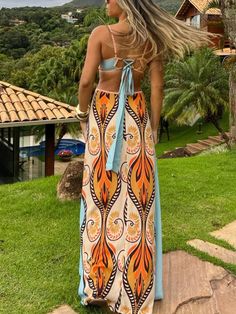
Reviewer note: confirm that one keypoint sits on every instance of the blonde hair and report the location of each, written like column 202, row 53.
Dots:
column 169, row 37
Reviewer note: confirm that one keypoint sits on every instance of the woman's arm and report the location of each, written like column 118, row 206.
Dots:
column 156, row 73
column 92, row 60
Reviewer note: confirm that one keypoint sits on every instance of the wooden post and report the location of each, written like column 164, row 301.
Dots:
column 232, row 104
column 49, row 149
column 16, row 151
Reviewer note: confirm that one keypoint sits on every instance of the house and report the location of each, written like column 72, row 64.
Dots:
column 20, row 110
column 193, row 13
column 17, row 22
column 69, row 18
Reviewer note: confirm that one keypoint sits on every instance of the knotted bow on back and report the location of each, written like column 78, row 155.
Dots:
column 126, row 89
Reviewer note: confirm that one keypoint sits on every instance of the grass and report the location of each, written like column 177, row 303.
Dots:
column 40, row 234
column 182, row 135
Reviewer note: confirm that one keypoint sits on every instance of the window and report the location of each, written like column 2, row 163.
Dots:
column 195, row 21
column 188, row 21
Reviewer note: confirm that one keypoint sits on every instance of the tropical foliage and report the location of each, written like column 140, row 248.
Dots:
column 169, row 5
column 228, row 10
column 48, row 54
column 196, row 85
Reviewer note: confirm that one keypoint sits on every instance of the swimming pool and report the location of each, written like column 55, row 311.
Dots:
column 76, row 146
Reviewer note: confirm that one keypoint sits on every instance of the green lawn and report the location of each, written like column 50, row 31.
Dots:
column 40, row 235
column 182, row 135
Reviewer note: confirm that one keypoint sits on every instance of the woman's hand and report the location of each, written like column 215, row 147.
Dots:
column 84, row 125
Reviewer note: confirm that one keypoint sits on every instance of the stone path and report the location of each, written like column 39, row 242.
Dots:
column 225, row 255
column 63, row 309
column 193, row 286
column 227, row 233
column 192, row 149
column 201, row 145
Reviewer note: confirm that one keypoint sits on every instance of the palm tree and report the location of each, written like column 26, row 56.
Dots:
column 230, row 64
column 196, row 85
column 72, row 128
column 61, row 129
column 228, row 10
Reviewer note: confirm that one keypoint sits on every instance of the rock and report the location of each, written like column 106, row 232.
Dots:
column 227, row 233
column 70, row 184
column 214, row 250
column 191, row 285
column 178, row 152
column 63, row 309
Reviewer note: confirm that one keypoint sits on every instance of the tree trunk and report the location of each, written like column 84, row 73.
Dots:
column 63, row 131
column 232, row 105
column 228, row 8
column 215, row 122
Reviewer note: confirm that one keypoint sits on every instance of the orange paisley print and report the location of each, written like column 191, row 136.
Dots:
column 117, row 228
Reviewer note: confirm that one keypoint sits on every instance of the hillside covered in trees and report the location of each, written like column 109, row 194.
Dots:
column 42, row 52
column 169, row 5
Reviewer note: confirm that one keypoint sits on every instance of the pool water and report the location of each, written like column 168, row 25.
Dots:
column 76, row 146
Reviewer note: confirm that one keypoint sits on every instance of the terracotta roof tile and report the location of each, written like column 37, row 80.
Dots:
column 22, row 115
column 4, row 117
column 22, row 97
column 2, row 108
column 200, row 5
column 9, row 106
column 34, row 104
column 20, row 105
column 3, row 114
column 64, row 112
column 5, row 98
column 13, row 116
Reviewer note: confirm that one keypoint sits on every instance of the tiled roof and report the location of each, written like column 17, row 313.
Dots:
column 225, row 52
column 200, row 5
column 22, row 107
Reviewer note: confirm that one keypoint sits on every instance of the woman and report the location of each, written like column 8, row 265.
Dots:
column 120, row 218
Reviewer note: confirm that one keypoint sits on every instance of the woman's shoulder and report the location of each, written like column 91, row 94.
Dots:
column 115, row 29
column 98, row 34
column 99, row 30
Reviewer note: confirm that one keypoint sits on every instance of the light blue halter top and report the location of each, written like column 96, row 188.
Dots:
column 126, row 89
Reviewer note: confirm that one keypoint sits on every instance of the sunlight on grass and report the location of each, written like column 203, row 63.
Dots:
column 182, row 135
column 40, row 234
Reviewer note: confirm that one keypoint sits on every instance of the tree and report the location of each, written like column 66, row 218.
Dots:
column 228, row 10
column 13, row 43
column 62, row 128
column 196, row 85
column 6, row 67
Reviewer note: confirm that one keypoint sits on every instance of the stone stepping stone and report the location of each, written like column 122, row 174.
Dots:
column 217, row 139
column 196, row 146
column 214, row 250
column 227, row 233
column 192, row 151
column 207, row 142
column 194, row 286
column 190, row 285
column 63, row 309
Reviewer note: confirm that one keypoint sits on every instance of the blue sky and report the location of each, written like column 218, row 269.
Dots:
column 21, row 3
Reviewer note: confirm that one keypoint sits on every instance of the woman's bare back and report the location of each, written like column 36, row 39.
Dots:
column 110, row 79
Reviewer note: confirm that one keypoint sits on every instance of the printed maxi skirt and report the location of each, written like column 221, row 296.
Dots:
column 120, row 215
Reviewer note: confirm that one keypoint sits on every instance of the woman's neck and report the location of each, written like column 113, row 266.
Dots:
column 123, row 18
